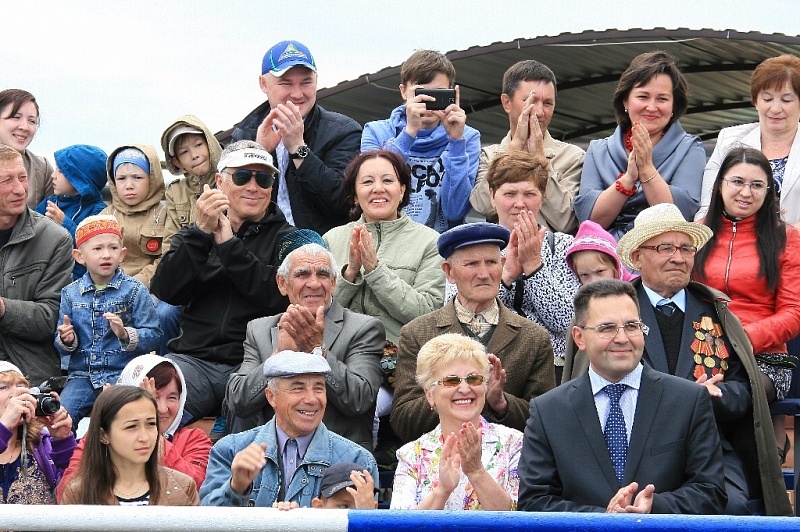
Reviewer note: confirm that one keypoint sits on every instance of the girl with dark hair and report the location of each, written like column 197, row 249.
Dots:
column 19, row 121
column 184, row 449
column 754, row 258
column 120, row 459
column 649, row 159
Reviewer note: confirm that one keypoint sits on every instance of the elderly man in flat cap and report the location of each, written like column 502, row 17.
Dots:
column 693, row 335
column 286, row 459
column 314, row 322
column 521, row 354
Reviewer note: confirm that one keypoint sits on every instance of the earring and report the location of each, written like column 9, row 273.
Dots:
column 626, row 109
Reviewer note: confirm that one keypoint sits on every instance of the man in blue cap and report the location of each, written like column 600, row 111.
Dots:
column 286, row 459
column 311, row 145
column 521, row 354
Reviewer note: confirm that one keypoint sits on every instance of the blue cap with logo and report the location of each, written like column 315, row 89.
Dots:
column 285, row 55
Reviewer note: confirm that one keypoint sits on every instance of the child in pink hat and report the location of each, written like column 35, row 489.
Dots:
column 593, row 255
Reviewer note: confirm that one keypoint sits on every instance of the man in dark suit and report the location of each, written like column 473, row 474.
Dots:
column 314, row 322
column 693, row 335
column 521, row 353
column 622, row 438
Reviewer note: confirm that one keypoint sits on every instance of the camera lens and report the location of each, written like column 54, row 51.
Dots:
column 46, row 405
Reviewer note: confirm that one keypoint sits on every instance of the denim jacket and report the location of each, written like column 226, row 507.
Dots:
column 98, row 354
column 326, row 448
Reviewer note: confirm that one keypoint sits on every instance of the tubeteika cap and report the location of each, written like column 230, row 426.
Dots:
column 96, row 225
column 290, row 363
column 470, row 235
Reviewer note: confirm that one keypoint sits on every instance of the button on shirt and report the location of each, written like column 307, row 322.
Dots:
column 627, row 402
column 290, row 461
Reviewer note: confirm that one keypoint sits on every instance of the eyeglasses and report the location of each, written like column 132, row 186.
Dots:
column 242, row 177
column 610, row 330
column 756, row 187
column 451, row 381
column 669, row 250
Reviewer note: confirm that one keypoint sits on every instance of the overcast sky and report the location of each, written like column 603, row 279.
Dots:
column 109, row 73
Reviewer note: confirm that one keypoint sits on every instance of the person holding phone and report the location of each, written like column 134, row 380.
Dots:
column 433, row 139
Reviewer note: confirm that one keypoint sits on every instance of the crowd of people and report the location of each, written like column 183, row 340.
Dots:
column 608, row 340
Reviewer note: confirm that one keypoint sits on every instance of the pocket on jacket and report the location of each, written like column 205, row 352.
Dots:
column 151, row 238
column 677, row 445
column 20, row 282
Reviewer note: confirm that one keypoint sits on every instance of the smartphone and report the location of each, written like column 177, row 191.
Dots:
column 444, row 97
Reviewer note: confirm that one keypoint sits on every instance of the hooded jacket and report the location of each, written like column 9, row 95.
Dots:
column 316, row 194
column 182, row 194
column 222, row 286
column 185, row 449
column 142, row 224
column 443, row 170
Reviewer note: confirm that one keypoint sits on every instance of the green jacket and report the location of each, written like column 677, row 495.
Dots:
column 409, row 280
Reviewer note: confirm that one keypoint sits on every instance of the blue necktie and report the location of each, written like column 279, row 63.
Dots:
column 666, row 307
column 615, row 433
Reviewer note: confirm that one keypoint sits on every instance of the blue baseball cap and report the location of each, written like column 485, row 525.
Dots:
column 285, row 55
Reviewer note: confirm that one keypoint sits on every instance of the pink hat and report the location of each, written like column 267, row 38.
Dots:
column 592, row 237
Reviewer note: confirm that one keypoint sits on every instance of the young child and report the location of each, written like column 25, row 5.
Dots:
column 346, row 486
column 107, row 317
column 137, row 191
column 593, row 255
column 190, row 149
column 441, row 149
column 78, row 178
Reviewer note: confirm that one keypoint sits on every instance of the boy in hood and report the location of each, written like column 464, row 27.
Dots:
column 441, row 149
column 79, row 176
column 189, row 149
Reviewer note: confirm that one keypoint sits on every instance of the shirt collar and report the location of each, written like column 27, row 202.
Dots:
column 679, row 299
column 302, row 441
column 632, row 379
column 490, row 314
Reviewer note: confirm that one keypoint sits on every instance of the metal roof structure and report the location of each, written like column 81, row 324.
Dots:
column 717, row 65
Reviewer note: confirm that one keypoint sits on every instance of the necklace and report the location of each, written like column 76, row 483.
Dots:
column 10, row 454
column 130, row 494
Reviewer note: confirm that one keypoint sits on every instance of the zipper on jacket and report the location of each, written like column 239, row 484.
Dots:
column 730, row 258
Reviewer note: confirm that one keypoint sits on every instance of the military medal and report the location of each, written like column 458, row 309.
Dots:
column 710, row 352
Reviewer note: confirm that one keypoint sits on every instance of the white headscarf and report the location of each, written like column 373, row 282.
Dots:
column 139, row 367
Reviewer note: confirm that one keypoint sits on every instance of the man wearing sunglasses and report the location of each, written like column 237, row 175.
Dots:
column 521, row 355
column 693, row 335
column 623, row 437
column 221, row 270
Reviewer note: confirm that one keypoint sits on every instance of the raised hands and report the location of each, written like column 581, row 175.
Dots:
column 246, row 465
column 300, row 329
column 453, row 118
column 284, row 122
column 528, row 135
column 115, row 322
column 211, row 206
column 362, row 253
column 54, row 213
column 494, row 390
column 66, row 332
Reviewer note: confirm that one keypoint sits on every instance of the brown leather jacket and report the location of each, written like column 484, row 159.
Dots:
column 177, row 489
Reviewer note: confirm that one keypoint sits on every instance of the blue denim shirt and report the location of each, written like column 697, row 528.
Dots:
column 99, row 354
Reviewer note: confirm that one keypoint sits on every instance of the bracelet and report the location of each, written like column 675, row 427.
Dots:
column 649, row 178
column 621, row 188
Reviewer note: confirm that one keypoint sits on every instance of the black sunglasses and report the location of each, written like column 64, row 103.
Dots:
column 242, row 177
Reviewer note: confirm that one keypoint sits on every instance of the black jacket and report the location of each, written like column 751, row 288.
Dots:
column 222, row 287
column 315, row 189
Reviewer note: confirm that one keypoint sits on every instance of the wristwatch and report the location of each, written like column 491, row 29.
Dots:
column 301, row 153
column 320, row 351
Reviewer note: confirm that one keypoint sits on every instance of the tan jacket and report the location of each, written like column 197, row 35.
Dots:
column 142, row 224
column 566, row 163
column 182, row 194
column 177, row 489
column 40, row 178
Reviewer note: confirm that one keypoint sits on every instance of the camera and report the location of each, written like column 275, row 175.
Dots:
column 444, row 97
column 46, row 404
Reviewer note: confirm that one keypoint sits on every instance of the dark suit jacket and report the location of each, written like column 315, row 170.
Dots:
column 522, row 346
column 742, row 412
column 674, row 445
column 355, row 346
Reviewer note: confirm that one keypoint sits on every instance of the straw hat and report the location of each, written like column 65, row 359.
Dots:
column 657, row 220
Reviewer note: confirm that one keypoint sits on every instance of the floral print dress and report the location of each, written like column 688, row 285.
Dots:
column 417, row 471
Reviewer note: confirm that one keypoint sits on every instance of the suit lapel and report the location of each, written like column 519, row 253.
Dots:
column 650, row 391
column 447, row 321
column 654, row 353
column 503, row 334
column 334, row 320
column 582, row 401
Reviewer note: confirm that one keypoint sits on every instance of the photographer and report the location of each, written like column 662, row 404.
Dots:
column 31, row 459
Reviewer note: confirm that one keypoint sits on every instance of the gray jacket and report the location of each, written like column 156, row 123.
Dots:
column 35, row 264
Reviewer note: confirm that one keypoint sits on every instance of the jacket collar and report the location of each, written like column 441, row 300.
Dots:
column 87, row 285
